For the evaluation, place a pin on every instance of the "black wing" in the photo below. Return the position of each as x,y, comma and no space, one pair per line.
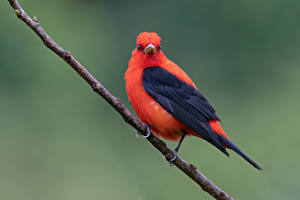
183,102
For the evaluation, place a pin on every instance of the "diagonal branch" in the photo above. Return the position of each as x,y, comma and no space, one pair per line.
117,104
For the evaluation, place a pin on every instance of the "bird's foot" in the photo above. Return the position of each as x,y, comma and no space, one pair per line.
138,134
170,163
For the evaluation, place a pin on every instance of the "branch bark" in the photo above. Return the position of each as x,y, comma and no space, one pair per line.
117,104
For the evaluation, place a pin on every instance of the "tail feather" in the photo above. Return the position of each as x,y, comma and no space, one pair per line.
233,147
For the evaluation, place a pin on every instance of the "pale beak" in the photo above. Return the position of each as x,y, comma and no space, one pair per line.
150,49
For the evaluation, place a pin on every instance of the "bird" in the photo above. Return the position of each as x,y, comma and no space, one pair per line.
168,102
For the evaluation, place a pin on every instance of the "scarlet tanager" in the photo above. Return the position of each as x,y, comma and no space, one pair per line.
167,100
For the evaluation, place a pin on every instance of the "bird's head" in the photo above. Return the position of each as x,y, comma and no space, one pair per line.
148,43
147,51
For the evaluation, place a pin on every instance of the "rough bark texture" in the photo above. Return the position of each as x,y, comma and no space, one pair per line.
117,104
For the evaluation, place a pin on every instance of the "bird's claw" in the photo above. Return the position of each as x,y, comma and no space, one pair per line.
148,131
138,134
170,163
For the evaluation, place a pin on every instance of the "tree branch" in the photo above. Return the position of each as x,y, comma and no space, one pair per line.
117,104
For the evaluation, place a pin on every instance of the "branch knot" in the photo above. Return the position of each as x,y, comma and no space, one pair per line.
18,13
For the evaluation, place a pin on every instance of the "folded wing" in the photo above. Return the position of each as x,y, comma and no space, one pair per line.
182,101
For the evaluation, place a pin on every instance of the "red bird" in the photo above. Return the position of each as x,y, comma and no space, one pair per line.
167,100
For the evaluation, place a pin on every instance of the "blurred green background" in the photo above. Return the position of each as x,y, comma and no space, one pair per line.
59,140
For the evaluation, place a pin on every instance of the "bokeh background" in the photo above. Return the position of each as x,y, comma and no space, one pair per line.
59,140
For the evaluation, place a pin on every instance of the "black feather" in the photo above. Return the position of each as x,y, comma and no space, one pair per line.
188,105
233,147
183,102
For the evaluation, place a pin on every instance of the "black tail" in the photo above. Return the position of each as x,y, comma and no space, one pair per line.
231,146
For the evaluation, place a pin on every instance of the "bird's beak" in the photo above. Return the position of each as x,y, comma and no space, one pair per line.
150,49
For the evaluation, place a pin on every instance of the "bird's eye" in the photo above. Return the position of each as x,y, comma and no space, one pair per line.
139,47
159,47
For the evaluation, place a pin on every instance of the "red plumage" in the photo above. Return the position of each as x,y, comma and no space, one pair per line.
155,110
